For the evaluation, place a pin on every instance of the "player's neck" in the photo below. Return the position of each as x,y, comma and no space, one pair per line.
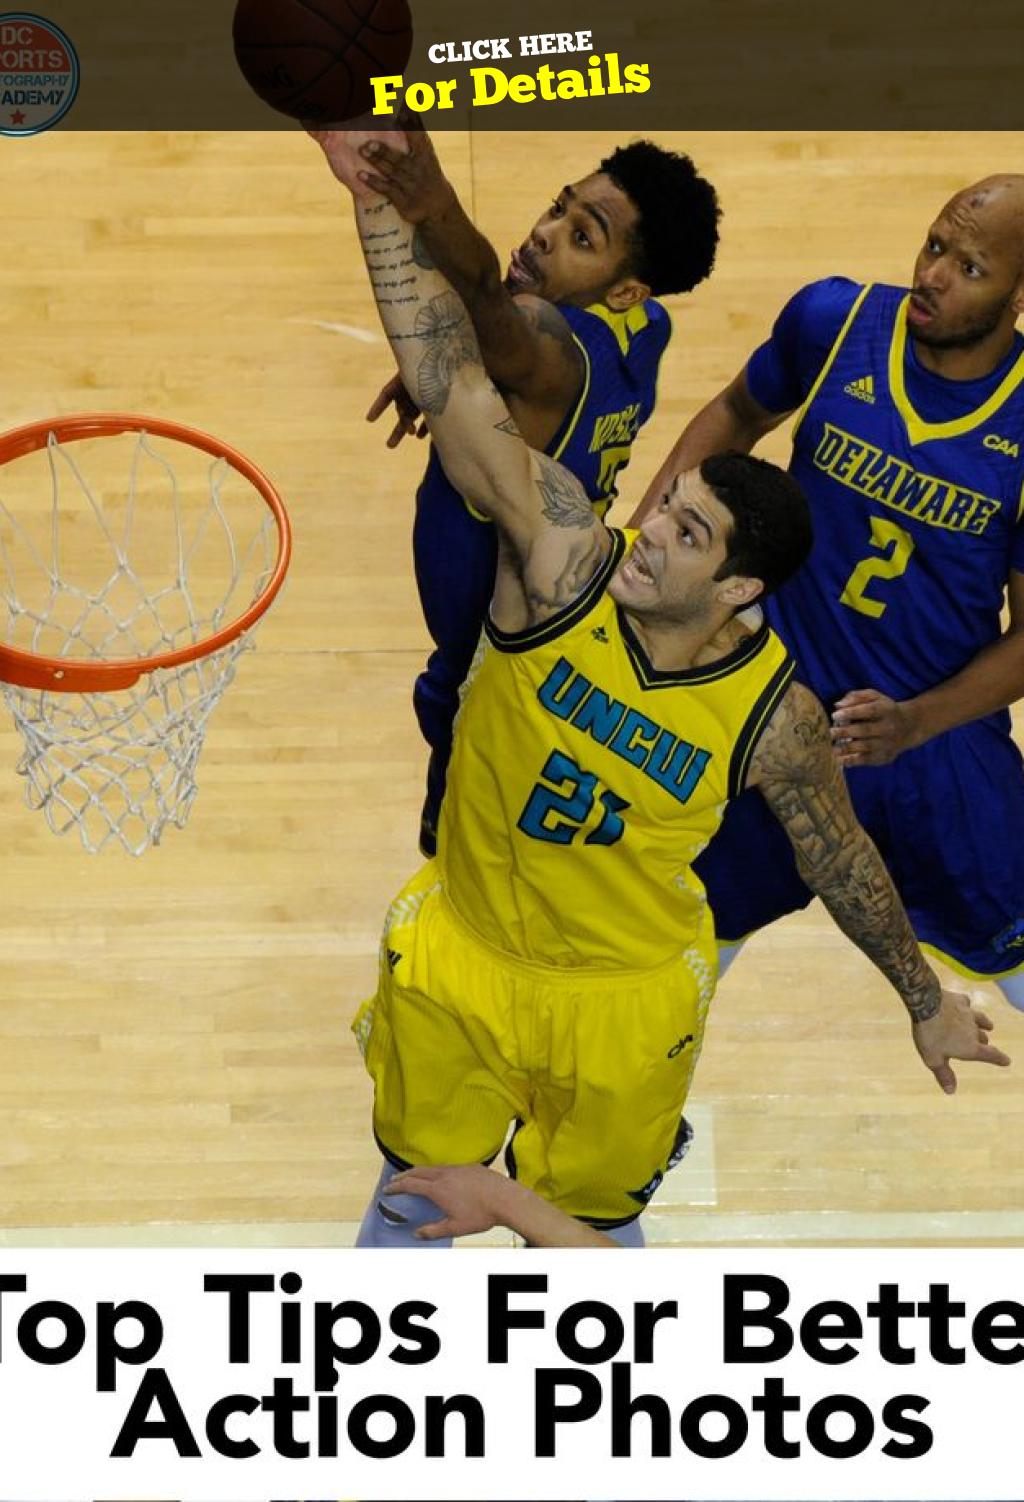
673,647
970,362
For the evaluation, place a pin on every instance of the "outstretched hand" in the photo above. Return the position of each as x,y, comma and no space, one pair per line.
467,1194
411,180
343,148
956,1031
406,410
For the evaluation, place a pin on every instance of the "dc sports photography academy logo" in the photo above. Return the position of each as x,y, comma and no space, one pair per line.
39,74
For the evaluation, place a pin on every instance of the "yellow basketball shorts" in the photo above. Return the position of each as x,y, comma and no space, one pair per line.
461,1040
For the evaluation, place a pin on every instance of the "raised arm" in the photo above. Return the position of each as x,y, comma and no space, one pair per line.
551,541
527,346
782,371
796,772
731,420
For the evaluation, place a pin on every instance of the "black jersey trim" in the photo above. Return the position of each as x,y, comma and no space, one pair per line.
597,1224
765,705
402,1164
650,677
557,625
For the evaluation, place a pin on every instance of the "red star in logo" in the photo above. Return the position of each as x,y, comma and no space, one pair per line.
18,118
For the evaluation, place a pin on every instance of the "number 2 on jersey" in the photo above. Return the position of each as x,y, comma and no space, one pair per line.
556,814
885,536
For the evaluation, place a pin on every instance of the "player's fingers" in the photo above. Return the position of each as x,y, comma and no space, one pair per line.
983,1020
858,714
381,185
398,432
860,730
858,696
382,157
423,430
381,402
985,1053
404,1183
435,1230
945,1078
878,754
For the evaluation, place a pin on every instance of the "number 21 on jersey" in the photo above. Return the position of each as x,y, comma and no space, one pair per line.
562,802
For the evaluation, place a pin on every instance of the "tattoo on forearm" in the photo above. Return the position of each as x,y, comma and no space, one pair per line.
447,334
798,775
547,597
565,500
548,320
508,426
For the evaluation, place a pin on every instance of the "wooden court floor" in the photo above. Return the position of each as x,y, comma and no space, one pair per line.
175,1062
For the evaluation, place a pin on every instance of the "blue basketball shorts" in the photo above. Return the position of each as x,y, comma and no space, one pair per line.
948,819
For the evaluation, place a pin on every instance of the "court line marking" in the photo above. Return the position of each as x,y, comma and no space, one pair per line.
350,330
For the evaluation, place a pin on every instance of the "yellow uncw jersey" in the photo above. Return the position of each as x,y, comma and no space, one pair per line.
584,782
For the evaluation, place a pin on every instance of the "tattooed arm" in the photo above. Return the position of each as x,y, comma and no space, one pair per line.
551,542
527,346
797,774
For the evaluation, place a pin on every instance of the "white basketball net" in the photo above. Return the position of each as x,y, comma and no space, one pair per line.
124,569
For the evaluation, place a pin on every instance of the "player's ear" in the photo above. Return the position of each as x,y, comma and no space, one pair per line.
738,591
1017,300
626,294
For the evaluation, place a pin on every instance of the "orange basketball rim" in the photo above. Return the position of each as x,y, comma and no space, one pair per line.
79,675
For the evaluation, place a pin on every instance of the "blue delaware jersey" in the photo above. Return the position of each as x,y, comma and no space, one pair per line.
916,514
455,549
915,487
622,353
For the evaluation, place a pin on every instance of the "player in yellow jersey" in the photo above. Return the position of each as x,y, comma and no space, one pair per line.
554,965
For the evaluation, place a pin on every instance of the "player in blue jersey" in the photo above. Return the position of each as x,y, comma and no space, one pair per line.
579,377
910,446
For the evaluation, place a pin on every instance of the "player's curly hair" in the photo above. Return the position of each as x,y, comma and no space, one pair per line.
771,520
676,236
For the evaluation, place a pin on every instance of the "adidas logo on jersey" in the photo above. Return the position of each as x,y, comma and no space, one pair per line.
599,634
863,389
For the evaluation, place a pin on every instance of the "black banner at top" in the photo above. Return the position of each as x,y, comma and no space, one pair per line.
529,65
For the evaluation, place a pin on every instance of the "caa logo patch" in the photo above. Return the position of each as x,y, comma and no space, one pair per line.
1001,445
39,74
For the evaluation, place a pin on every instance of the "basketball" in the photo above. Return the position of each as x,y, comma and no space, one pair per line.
313,59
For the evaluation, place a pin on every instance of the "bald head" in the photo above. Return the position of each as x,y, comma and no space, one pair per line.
993,210
969,277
